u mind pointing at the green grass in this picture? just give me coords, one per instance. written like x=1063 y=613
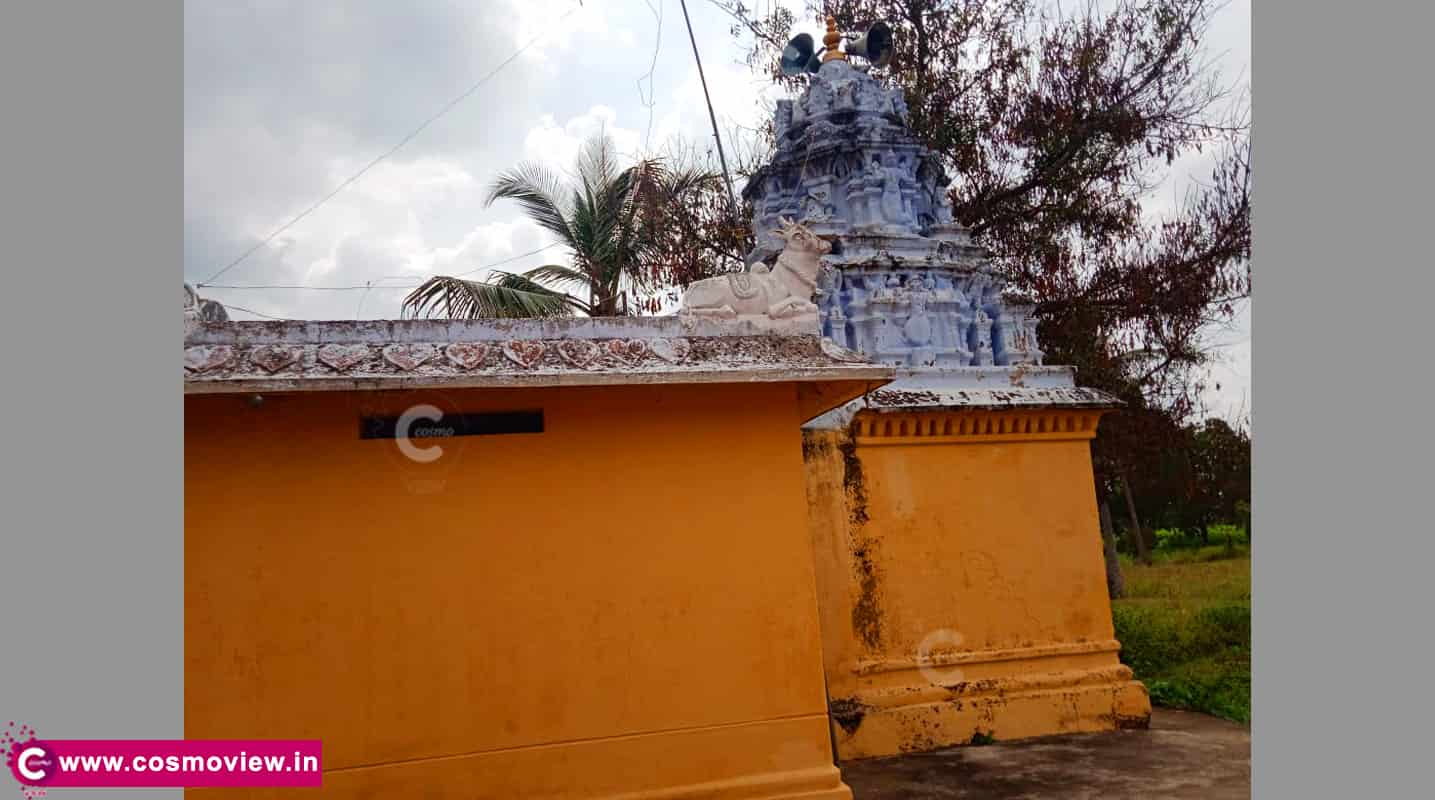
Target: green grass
x=1185 y=626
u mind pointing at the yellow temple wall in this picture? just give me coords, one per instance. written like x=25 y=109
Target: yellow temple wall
x=621 y=606
x=961 y=582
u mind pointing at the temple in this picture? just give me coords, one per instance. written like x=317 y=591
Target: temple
x=953 y=513
x=835 y=508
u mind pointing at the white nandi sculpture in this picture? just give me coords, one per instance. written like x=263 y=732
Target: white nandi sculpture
x=197 y=310
x=783 y=292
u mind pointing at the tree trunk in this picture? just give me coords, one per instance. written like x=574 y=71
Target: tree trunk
x=1143 y=553
x=1115 y=583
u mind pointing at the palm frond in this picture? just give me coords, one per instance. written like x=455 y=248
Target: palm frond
x=609 y=217
x=504 y=294
x=540 y=193
x=680 y=183
x=559 y=276
x=597 y=161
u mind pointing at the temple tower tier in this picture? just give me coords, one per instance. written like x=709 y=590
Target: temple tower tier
x=904 y=283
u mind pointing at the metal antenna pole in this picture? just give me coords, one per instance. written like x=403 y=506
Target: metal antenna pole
x=731 y=196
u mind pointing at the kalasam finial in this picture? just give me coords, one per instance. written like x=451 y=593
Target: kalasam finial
x=832 y=39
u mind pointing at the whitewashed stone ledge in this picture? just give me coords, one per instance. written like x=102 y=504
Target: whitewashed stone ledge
x=1021 y=386
x=488 y=330
x=314 y=356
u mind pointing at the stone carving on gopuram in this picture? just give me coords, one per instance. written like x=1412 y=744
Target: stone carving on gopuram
x=904 y=283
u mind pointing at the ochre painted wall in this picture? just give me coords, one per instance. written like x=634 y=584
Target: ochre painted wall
x=622 y=604
x=961 y=580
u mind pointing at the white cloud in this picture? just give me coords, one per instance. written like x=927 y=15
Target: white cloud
x=557 y=145
x=565 y=25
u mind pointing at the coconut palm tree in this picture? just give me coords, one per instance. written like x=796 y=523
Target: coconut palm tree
x=608 y=219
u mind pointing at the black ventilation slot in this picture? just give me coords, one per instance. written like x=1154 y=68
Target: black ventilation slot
x=419 y=426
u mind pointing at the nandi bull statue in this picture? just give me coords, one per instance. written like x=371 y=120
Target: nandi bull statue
x=197 y=310
x=783 y=292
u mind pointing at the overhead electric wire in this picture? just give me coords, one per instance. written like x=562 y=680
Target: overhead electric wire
x=255 y=313
x=651 y=100
x=345 y=288
x=722 y=159
x=386 y=154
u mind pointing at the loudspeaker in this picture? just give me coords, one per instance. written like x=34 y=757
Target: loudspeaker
x=799 y=56
x=875 y=45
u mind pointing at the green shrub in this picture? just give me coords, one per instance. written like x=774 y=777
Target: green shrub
x=1185 y=631
x=1151 y=641
x=1213 y=686
x=1221 y=628
x=1169 y=540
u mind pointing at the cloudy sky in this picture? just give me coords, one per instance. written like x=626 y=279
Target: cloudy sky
x=285 y=101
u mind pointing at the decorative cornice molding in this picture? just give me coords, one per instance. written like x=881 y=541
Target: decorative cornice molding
x=423 y=358
x=335 y=356
x=909 y=427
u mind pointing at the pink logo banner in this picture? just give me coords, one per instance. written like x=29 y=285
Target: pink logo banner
x=182 y=763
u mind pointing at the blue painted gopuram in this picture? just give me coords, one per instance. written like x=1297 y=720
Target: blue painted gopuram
x=904 y=284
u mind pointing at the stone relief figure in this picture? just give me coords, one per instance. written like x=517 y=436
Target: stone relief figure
x=837 y=325
x=780 y=293
x=899 y=289
x=774 y=200
x=1034 y=352
x=815 y=207
x=943 y=208
x=818 y=100
x=876 y=289
x=898 y=105
x=918 y=328
x=782 y=119
x=866 y=188
x=873 y=172
x=983 y=339
x=812 y=209
x=892 y=210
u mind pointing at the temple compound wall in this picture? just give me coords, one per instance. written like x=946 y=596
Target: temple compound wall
x=607 y=590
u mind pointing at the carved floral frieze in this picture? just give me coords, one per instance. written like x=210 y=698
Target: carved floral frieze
x=342 y=357
x=274 y=357
x=207 y=361
x=466 y=355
